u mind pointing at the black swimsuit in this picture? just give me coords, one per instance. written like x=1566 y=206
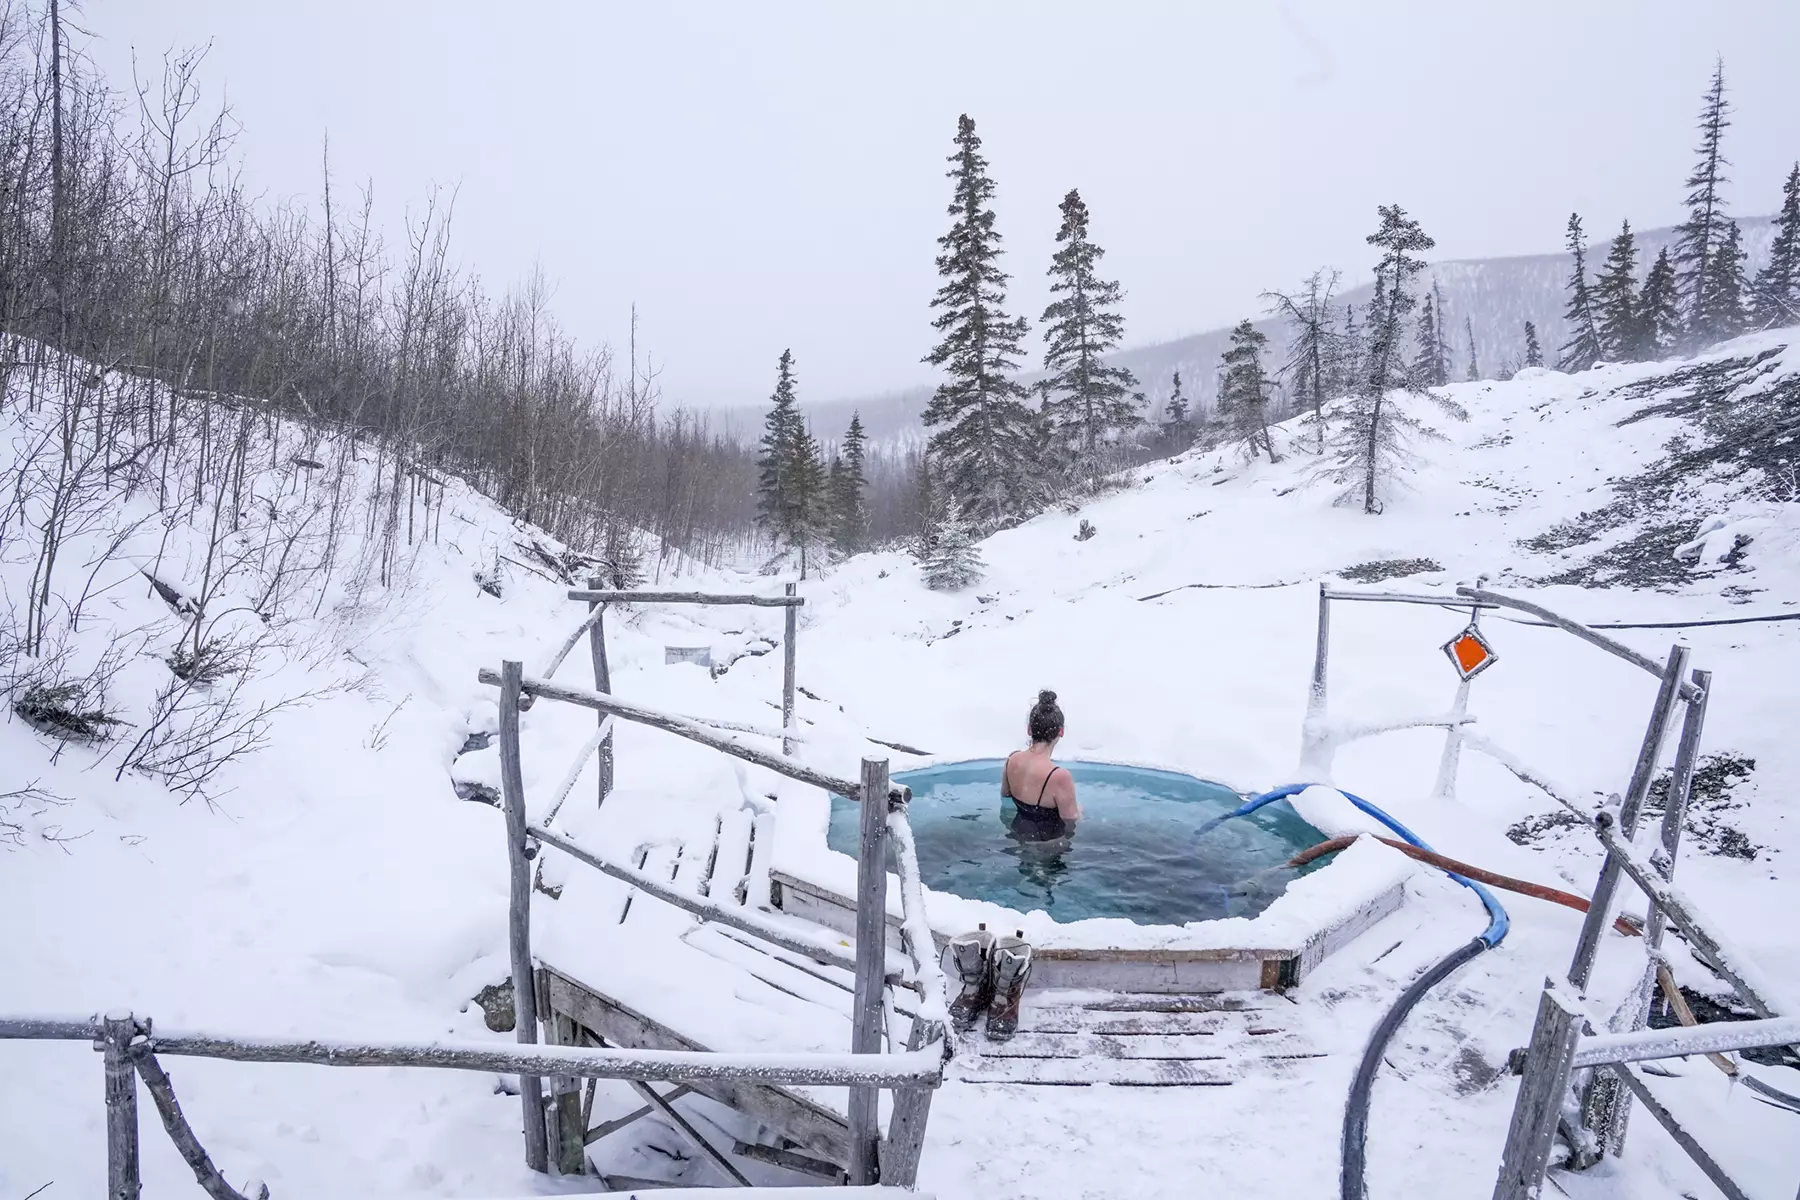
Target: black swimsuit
x=1039 y=811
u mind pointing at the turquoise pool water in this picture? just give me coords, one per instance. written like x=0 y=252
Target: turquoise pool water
x=1134 y=854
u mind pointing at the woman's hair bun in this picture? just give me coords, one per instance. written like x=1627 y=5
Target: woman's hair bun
x=1046 y=697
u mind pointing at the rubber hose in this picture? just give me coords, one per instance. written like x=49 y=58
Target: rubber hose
x=1354 y=1161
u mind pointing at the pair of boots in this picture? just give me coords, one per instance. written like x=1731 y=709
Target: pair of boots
x=993 y=973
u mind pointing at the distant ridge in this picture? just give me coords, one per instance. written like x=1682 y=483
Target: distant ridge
x=1497 y=295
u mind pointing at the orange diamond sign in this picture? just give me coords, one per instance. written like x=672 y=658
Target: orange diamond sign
x=1469 y=653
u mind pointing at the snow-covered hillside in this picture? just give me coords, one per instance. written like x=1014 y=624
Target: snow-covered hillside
x=337 y=885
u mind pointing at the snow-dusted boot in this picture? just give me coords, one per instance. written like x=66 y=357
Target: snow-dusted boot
x=1012 y=969
x=971 y=955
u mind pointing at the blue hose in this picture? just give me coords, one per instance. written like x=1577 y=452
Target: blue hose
x=1497 y=919
x=1353 y=1162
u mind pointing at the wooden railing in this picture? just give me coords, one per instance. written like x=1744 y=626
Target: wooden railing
x=891 y=1160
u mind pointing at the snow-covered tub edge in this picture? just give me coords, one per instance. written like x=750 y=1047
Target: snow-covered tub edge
x=1317 y=914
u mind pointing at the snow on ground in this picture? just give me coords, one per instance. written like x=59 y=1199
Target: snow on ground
x=340 y=886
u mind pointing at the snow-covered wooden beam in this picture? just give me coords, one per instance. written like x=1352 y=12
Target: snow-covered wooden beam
x=682 y=726
x=921 y=1068
x=50 y=1027
x=1757 y=991
x=1568 y=625
x=610 y=596
x=819 y=946
x=1717 y=1037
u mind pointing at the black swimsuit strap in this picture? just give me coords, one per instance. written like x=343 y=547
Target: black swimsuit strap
x=1046 y=787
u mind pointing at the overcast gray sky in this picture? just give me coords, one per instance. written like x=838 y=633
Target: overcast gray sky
x=760 y=176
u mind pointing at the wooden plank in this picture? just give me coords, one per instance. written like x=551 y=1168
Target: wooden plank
x=616 y=596
x=1075 y=1072
x=123 y=1178
x=756 y=891
x=732 y=858
x=617 y=1123
x=567 y=1130
x=1174 y=1047
x=807 y=1122
x=706 y=1148
x=905 y=1142
x=787 y=1160
x=1157 y=1003
x=804 y=942
x=1152 y=1024
x=1706 y=1162
x=1532 y=1132
x=525 y=1015
x=682 y=726
x=871 y=964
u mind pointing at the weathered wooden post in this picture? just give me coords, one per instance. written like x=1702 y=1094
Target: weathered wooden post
x=790 y=623
x=122 y=1178
x=1599 y=908
x=565 y=1117
x=1606 y=1104
x=1543 y=1082
x=1451 y=759
x=512 y=789
x=1312 y=731
x=871 y=964
x=602 y=683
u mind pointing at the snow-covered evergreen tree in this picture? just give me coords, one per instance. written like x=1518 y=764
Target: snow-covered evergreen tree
x=1534 y=353
x=809 y=498
x=1658 y=309
x=1431 y=368
x=1371 y=443
x=1696 y=251
x=1244 y=391
x=953 y=560
x=1582 y=350
x=984 y=439
x=1345 y=370
x=1177 y=429
x=848 y=490
x=1775 y=296
x=1314 y=363
x=1723 y=301
x=1086 y=402
x=1615 y=298
x=777 y=488
x=1474 y=364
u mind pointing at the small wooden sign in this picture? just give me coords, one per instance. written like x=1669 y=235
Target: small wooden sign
x=1470 y=653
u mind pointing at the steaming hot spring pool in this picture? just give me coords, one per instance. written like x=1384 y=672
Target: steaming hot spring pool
x=1134 y=854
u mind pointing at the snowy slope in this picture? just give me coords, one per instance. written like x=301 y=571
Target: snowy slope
x=342 y=887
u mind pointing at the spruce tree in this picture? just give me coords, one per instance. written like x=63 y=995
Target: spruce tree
x=1658 y=310
x=1474 y=366
x=1441 y=345
x=1177 y=430
x=983 y=439
x=1534 y=353
x=810 y=498
x=1370 y=444
x=1429 y=368
x=1582 y=350
x=1086 y=402
x=1696 y=250
x=849 y=486
x=777 y=488
x=1615 y=298
x=1244 y=391
x=1314 y=363
x=1723 y=300
x=1775 y=296
x=954 y=561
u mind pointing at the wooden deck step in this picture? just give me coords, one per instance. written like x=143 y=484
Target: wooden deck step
x=1136 y=1041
